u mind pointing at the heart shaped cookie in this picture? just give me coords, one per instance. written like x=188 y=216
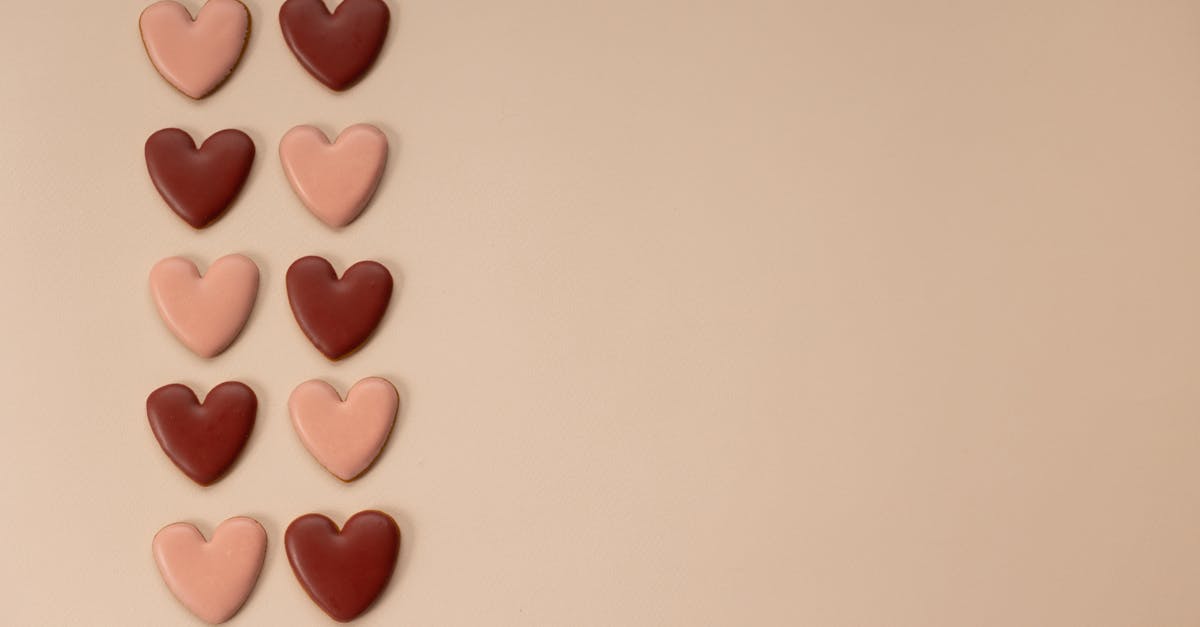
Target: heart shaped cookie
x=195 y=56
x=344 y=572
x=199 y=184
x=344 y=436
x=338 y=48
x=338 y=315
x=202 y=438
x=334 y=180
x=212 y=579
x=205 y=313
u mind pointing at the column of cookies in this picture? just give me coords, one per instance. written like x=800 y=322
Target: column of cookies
x=343 y=570
x=336 y=181
x=214 y=577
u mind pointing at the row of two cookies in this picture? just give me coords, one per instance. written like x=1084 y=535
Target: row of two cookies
x=334 y=180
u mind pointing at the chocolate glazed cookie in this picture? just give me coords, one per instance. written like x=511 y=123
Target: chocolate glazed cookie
x=343 y=571
x=338 y=315
x=199 y=184
x=202 y=439
x=338 y=48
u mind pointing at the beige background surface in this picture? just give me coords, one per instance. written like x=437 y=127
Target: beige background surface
x=711 y=313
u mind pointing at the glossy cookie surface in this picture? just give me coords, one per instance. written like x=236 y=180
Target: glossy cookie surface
x=344 y=436
x=195 y=56
x=338 y=315
x=211 y=578
x=205 y=312
x=335 y=180
x=344 y=571
x=199 y=184
x=336 y=48
x=202 y=438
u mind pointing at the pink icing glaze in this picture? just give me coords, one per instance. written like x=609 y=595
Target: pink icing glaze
x=335 y=181
x=212 y=579
x=344 y=436
x=195 y=56
x=205 y=313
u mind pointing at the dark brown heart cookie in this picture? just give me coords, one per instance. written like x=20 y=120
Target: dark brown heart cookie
x=344 y=572
x=338 y=315
x=203 y=439
x=336 y=48
x=199 y=184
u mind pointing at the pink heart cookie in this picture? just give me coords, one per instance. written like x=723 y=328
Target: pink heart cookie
x=344 y=436
x=335 y=181
x=195 y=56
x=214 y=578
x=205 y=313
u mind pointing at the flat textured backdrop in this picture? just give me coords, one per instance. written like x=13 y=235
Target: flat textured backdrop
x=764 y=313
